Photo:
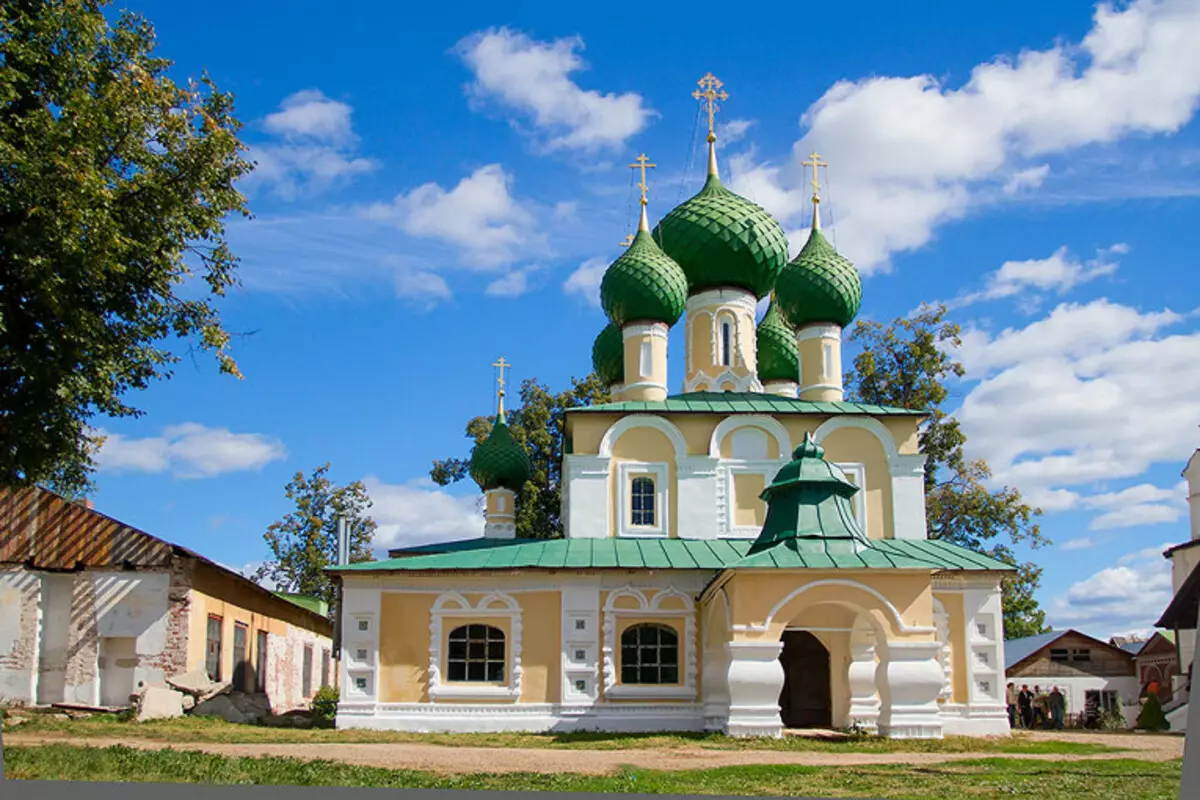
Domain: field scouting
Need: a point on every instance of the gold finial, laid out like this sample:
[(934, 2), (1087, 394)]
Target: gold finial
[(710, 92), (501, 365), (628, 240), (643, 164), (815, 162)]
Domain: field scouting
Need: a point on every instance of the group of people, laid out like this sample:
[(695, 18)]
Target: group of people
[(1035, 709)]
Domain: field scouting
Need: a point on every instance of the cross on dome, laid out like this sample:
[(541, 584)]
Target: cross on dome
[(710, 92), (815, 162), (501, 365), (643, 164)]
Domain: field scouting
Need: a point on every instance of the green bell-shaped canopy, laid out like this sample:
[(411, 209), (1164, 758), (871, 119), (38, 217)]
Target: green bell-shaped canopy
[(778, 355), (499, 462), (721, 239), (808, 506), (819, 285), (643, 285), (608, 355)]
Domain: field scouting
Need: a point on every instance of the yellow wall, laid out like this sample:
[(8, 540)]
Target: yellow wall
[(749, 509), (404, 647), (953, 603)]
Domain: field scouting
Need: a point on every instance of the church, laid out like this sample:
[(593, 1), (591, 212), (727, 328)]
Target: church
[(747, 556)]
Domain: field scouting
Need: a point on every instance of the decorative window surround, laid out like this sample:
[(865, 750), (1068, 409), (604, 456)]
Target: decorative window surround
[(626, 472), (688, 668), (857, 473), (771, 426), (727, 502), (454, 607)]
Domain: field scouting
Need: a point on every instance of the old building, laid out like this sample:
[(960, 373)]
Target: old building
[(1094, 675), (91, 609), (1157, 662)]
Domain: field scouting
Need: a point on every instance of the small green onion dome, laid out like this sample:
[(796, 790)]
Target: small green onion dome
[(608, 355), (498, 462), (778, 356), (643, 285), (722, 239), (819, 285)]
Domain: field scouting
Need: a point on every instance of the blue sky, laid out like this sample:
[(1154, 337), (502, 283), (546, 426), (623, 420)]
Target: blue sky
[(439, 188)]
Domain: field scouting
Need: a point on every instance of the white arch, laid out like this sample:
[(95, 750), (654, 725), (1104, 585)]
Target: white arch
[(730, 424), (869, 424), (643, 421), (626, 591), (891, 610)]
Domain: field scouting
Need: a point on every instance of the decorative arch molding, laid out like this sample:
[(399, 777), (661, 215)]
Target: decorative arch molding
[(772, 426), (453, 607), (653, 608), (885, 605), (869, 424), (626, 424)]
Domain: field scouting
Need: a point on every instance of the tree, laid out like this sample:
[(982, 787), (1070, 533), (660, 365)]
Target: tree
[(1151, 717), (907, 364), (114, 187), (304, 543), (537, 425)]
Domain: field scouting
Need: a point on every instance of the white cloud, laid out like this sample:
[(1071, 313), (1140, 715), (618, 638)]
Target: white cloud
[(190, 450), (585, 280), (424, 288), (479, 216), (1115, 600), (419, 512), (908, 154), (533, 78), (1092, 393), (1059, 272), (1081, 543), (1026, 179), (514, 284), (314, 147), (733, 131)]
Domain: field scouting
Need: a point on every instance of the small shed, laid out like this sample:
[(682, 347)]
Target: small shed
[(1094, 675)]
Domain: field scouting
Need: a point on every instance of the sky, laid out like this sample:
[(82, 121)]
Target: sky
[(438, 187)]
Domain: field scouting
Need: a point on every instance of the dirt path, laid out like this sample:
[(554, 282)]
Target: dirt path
[(446, 760)]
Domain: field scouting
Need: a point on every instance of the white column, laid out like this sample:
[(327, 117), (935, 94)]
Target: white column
[(586, 480), (909, 679), (908, 497), (715, 686), (696, 482), (755, 681), (864, 697)]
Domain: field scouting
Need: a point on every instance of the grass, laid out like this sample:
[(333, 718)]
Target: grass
[(211, 730), (1047, 780)]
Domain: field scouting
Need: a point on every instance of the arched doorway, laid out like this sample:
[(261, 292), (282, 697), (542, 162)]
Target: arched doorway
[(805, 701)]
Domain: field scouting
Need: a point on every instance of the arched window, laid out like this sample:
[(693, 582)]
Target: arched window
[(476, 654), (726, 344), (641, 502), (649, 655)]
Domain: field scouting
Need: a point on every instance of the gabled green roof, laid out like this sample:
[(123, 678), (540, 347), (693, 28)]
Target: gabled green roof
[(687, 554), (744, 403)]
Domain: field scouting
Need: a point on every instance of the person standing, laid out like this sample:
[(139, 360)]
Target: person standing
[(1010, 698), (1025, 706), (1035, 701), (1058, 705)]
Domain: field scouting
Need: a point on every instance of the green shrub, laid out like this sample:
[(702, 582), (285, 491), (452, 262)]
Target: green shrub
[(1152, 717), (324, 706)]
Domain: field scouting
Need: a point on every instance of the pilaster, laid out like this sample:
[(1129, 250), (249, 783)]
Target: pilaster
[(910, 679), (755, 679)]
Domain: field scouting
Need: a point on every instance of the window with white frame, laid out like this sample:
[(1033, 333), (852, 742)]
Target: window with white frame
[(642, 499), (649, 655), (726, 343), (475, 654)]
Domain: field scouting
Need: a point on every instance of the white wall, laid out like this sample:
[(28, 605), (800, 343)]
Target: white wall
[(1075, 689)]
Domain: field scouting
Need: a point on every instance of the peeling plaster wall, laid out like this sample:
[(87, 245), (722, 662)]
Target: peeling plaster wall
[(285, 667), (20, 620)]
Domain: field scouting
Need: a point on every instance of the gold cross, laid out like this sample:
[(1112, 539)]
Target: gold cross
[(710, 91), (501, 365), (628, 240), (814, 163), (643, 164)]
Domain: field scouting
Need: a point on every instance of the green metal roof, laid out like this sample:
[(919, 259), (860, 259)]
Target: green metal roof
[(688, 554), (308, 603), (778, 355), (644, 285), (819, 285), (498, 461), (746, 403), (608, 355)]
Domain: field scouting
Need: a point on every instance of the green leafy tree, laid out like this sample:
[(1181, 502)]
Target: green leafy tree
[(537, 425), (1151, 717), (114, 187), (304, 543), (907, 364)]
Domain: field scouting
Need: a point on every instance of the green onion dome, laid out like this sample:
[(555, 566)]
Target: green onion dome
[(778, 356), (498, 462), (608, 355), (819, 285), (722, 239), (643, 285)]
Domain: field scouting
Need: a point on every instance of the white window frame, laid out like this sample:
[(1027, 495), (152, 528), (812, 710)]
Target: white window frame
[(858, 475), (651, 611), (450, 611), (626, 472), (727, 501)]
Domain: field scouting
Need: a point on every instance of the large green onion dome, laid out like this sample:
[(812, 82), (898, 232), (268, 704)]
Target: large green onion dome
[(644, 285), (499, 462), (608, 355), (778, 356), (723, 240), (819, 285)]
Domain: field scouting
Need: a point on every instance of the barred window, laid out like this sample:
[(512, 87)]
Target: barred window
[(641, 501), (649, 655), (476, 654)]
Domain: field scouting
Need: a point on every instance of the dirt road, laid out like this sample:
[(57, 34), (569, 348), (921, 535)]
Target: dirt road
[(449, 760)]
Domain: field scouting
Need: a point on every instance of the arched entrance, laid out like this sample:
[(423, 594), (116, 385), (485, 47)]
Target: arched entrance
[(805, 701)]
